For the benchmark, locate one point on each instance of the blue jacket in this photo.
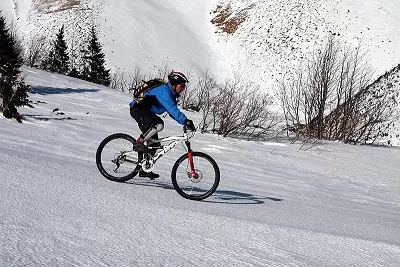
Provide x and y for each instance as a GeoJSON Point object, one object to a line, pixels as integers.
{"type": "Point", "coordinates": [165, 102]}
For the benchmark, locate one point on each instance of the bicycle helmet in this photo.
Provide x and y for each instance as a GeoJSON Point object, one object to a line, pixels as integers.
{"type": "Point", "coordinates": [176, 77]}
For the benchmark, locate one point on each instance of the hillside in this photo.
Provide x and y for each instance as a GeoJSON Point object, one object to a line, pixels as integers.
{"type": "Point", "coordinates": [145, 34]}
{"type": "Point", "coordinates": [261, 40]}
{"type": "Point", "coordinates": [273, 38]}
{"type": "Point", "coordinates": [270, 38]}
{"type": "Point", "coordinates": [278, 204]}
{"type": "Point", "coordinates": [388, 87]}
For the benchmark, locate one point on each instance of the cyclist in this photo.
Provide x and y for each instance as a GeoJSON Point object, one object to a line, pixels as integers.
{"type": "Point", "coordinates": [158, 100]}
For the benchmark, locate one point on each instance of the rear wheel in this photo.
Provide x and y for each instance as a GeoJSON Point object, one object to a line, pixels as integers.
{"type": "Point", "coordinates": [116, 157]}
{"type": "Point", "coordinates": [201, 185]}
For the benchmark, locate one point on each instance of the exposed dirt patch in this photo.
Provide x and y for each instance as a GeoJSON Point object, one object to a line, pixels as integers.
{"type": "Point", "coordinates": [54, 6]}
{"type": "Point", "coordinates": [229, 20]}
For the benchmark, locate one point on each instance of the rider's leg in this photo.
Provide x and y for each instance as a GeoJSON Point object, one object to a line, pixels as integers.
{"type": "Point", "coordinates": [146, 119]}
{"type": "Point", "coordinates": [153, 132]}
{"type": "Point", "coordinates": [149, 123]}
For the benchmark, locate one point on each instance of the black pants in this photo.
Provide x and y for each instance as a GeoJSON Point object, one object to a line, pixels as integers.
{"type": "Point", "coordinates": [146, 119]}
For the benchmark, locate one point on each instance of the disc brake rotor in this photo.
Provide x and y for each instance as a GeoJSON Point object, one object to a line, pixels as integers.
{"type": "Point", "coordinates": [195, 178]}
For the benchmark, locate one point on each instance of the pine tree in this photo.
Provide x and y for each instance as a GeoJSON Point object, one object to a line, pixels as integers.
{"type": "Point", "coordinates": [13, 91]}
{"type": "Point", "coordinates": [57, 60]}
{"type": "Point", "coordinates": [47, 63]}
{"type": "Point", "coordinates": [74, 66]}
{"type": "Point", "coordinates": [74, 73]}
{"type": "Point", "coordinates": [93, 58]}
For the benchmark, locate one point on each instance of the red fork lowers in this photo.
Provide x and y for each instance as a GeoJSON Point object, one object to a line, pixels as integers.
{"type": "Point", "coordinates": [192, 170]}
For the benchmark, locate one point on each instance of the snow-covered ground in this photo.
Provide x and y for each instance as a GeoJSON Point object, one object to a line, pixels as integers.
{"type": "Point", "coordinates": [276, 205]}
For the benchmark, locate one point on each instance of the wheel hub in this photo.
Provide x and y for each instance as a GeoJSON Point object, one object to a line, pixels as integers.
{"type": "Point", "coordinates": [196, 177]}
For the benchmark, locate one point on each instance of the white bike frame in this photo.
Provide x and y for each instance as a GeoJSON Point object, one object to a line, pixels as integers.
{"type": "Point", "coordinates": [176, 139]}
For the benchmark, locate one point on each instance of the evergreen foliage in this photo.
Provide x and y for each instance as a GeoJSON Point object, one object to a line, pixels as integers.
{"type": "Point", "coordinates": [93, 60]}
{"type": "Point", "coordinates": [57, 60]}
{"type": "Point", "coordinates": [13, 91]}
{"type": "Point", "coordinates": [74, 73]}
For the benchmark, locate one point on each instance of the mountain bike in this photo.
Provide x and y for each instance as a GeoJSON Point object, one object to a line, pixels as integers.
{"type": "Point", "coordinates": [195, 175]}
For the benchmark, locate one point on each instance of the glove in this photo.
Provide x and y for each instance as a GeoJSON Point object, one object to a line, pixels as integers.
{"type": "Point", "coordinates": [189, 124]}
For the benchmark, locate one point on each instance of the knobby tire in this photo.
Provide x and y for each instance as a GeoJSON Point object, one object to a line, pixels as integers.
{"type": "Point", "coordinates": [107, 174]}
{"type": "Point", "coordinates": [211, 168]}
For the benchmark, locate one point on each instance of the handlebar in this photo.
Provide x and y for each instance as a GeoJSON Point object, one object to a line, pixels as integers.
{"type": "Point", "coordinates": [185, 129]}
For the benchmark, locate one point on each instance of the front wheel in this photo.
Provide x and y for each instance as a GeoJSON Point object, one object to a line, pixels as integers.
{"type": "Point", "coordinates": [200, 184]}
{"type": "Point", "coordinates": [117, 158]}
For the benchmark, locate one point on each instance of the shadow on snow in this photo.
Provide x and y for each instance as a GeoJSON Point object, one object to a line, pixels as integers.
{"type": "Point", "coordinates": [219, 196]}
{"type": "Point", "coordinates": [234, 197]}
{"type": "Point", "coordinates": [41, 90]}
{"type": "Point", "coordinates": [46, 118]}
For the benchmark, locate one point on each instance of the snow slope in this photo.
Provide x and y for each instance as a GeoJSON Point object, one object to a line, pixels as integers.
{"type": "Point", "coordinates": [270, 38]}
{"type": "Point", "coordinates": [144, 34]}
{"type": "Point", "coordinates": [273, 37]}
{"type": "Point", "coordinates": [277, 204]}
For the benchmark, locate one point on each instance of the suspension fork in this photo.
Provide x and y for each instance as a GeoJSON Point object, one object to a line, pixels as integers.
{"type": "Point", "coordinates": [190, 158]}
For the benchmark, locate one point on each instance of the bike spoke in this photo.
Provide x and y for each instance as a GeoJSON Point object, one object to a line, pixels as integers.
{"type": "Point", "coordinates": [191, 189]}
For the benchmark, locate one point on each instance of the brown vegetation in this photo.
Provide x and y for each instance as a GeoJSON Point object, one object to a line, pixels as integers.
{"type": "Point", "coordinates": [229, 20]}
{"type": "Point", "coordinates": [54, 6]}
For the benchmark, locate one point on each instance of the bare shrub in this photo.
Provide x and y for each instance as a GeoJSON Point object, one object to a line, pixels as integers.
{"type": "Point", "coordinates": [119, 81]}
{"type": "Point", "coordinates": [352, 82]}
{"type": "Point", "coordinates": [333, 100]}
{"type": "Point", "coordinates": [196, 96]}
{"type": "Point", "coordinates": [237, 109]}
{"type": "Point", "coordinates": [307, 94]}
{"type": "Point", "coordinates": [135, 79]}
{"type": "Point", "coordinates": [127, 82]}
{"type": "Point", "coordinates": [320, 85]}
{"type": "Point", "coordinates": [290, 95]}
{"type": "Point", "coordinates": [35, 50]}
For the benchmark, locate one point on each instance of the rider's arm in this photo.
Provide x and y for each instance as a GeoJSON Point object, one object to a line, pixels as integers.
{"type": "Point", "coordinates": [167, 100]}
